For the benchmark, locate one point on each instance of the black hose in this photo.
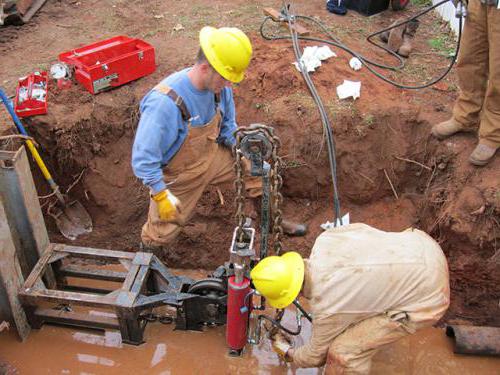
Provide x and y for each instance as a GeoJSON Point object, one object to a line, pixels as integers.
{"type": "Point", "coordinates": [327, 127]}
{"type": "Point", "coordinates": [366, 62]}
{"type": "Point", "coordinates": [302, 310]}
{"type": "Point", "coordinates": [278, 325]}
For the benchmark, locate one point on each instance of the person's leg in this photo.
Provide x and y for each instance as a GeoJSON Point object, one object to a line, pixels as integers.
{"type": "Point", "coordinates": [472, 72]}
{"type": "Point", "coordinates": [223, 172]}
{"type": "Point", "coordinates": [188, 188]}
{"type": "Point", "coordinates": [352, 351]}
{"type": "Point", "coordinates": [472, 66]}
{"type": "Point", "coordinates": [489, 129]}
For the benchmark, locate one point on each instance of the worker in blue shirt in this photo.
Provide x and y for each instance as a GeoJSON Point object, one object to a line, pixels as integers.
{"type": "Point", "coordinates": [185, 134]}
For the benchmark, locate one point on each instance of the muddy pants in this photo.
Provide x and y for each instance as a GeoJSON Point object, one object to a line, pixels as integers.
{"type": "Point", "coordinates": [352, 351]}
{"type": "Point", "coordinates": [189, 187]}
{"type": "Point", "coordinates": [478, 71]}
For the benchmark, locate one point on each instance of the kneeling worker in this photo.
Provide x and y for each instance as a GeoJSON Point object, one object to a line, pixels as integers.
{"type": "Point", "coordinates": [367, 288]}
{"type": "Point", "coordinates": [185, 135]}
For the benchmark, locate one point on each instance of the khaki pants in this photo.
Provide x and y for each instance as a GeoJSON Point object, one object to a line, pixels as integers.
{"type": "Point", "coordinates": [352, 351]}
{"type": "Point", "coordinates": [478, 71]}
{"type": "Point", "coordinates": [188, 188]}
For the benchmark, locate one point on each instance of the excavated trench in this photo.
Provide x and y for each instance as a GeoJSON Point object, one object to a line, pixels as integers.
{"type": "Point", "coordinates": [391, 174]}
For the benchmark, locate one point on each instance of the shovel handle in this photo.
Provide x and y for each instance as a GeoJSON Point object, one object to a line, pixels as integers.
{"type": "Point", "coordinates": [31, 147]}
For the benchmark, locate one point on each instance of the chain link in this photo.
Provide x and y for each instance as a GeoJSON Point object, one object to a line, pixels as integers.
{"type": "Point", "coordinates": [276, 181]}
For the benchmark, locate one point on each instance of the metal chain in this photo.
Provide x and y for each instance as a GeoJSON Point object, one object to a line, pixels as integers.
{"type": "Point", "coordinates": [276, 181]}
{"type": "Point", "coordinates": [151, 317]}
{"type": "Point", "coordinates": [239, 185]}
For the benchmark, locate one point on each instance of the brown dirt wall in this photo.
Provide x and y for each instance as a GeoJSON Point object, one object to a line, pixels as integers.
{"type": "Point", "coordinates": [381, 139]}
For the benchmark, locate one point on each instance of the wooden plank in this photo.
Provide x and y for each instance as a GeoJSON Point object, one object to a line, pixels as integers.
{"type": "Point", "coordinates": [22, 208]}
{"type": "Point", "coordinates": [33, 9]}
{"type": "Point", "coordinates": [89, 252]}
{"type": "Point", "coordinates": [57, 296]}
{"type": "Point", "coordinates": [76, 319]}
{"type": "Point", "coordinates": [276, 16]}
{"type": "Point", "coordinates": [77, 271]}
{"type": "Point", "coordinates": [37, 271]}
{"type": "Point", "coordinates": [11, 280]}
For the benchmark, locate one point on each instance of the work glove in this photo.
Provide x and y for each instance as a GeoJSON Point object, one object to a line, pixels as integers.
{"type": "Point", "coordinates": [168, 205]}
{"type": "Point", "coordinates": [281, 344]}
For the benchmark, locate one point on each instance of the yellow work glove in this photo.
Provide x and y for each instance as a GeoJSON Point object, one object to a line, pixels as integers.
{"type": "Point", "coordinates": [168, 205]}
{"type": "Point", "coordinates": [281, 345]}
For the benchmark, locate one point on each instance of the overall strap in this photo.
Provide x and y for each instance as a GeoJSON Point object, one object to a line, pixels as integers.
{"type": "Point", "coordinates": [179, 102]}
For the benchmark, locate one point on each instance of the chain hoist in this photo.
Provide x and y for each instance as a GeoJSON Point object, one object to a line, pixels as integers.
{"type": "Point", "coordinates": [260, 146]}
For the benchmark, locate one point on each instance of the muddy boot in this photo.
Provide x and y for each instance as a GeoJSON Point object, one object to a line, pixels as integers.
{"type": "Point", "coordinates": [482, 154]}
{"type": "Point", "coordinates": [446, 128]}
{"type": "Point", "coordinates": [395, 39]}
{"type": "Point", "coordinates": [384, 37]}
{"type": "Point", "coordinates": [157, 251]}
{"type": "Point", "coordinates": [293, 229]}
{"type": "Point", "coordinates": [408, 36]}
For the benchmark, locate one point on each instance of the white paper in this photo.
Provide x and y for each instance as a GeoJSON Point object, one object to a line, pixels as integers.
{"type": "Point", "coordinates": [340, 222]}
{"type": "Point", "coordinates": [355, 63]}
{"type": "Point", "coordinates": [349, 89]}
{"type": "Point", "coordinates": [312, 57]}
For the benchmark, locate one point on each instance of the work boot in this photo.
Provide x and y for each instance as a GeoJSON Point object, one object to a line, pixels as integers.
{"type": "Point", "coordinates": [482, 154]}
{"type": "Point", "coordinates": [408, 36]}
{"type": "Point", "coordinates": [395, 39]}
{"type": "Point", "coordinates": [157, 251]}
{"type": "Point", "coordinates": [293, 229]}
{"type": "Point", "coordinates": [446, 128]}
{"type": "Point", "coordinates": [384, 37]}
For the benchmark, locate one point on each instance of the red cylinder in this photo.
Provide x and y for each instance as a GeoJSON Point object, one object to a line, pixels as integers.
{"type": "Point", "coordinates": [239, 302]}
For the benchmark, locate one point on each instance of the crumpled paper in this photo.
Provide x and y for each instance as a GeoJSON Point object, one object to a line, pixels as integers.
{"type": "Point", "coordinates": [345, 220]}
{"type": "Point", "coordinates": [355, 63]}
{"type": "Point", "coordinates": [312, 57]}
{"type": "Point", "coordinates": [349, 89]}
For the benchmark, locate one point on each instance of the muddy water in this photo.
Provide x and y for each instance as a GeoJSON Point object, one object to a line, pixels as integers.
{"type": "Point", "coordinates": [58, 350]}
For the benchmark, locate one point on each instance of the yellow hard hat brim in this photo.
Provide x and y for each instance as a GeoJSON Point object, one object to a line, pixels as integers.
{"type": "Point", "coordinates": [295, 264]}
{"type": "Point", "coordinates": [205, 37]}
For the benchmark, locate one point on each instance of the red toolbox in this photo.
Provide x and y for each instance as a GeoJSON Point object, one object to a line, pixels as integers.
{"type": "Point", "coordinates": [111, 63]}
{"type": "Point", "coordinates": [31, 95]}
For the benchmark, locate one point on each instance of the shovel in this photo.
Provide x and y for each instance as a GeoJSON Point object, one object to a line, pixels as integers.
{"type": "Point", "coordinates": [70, 216]}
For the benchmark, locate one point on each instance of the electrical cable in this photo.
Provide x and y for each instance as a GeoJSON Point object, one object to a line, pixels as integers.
{"type": "Point", "coordinates": [365, 61]}
{"type": "Point", "coordinates": [327, 127]}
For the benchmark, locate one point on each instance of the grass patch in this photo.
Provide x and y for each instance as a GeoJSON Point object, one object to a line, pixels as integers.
{"type": "Point", "coordinates": [442, 44]}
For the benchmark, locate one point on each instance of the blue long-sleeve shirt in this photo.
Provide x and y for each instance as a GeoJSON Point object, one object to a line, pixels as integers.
{"type": "Point", "coordinates": [162, 131]}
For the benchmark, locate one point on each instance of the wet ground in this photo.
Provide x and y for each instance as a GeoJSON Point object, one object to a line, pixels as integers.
{"type": "Point", "coordinates": [63, 350]}
{"type": "Point", "coordinates": [56, 350]}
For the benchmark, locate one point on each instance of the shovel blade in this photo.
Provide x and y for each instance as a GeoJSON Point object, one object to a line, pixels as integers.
{"type": "Point", "coordinates": [72, 219]}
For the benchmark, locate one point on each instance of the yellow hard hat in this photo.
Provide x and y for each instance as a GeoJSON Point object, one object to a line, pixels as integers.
{"type": "Point", "coordinates": [279, 278]}
{"type": "Point", "coordinates": [228, 50]}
